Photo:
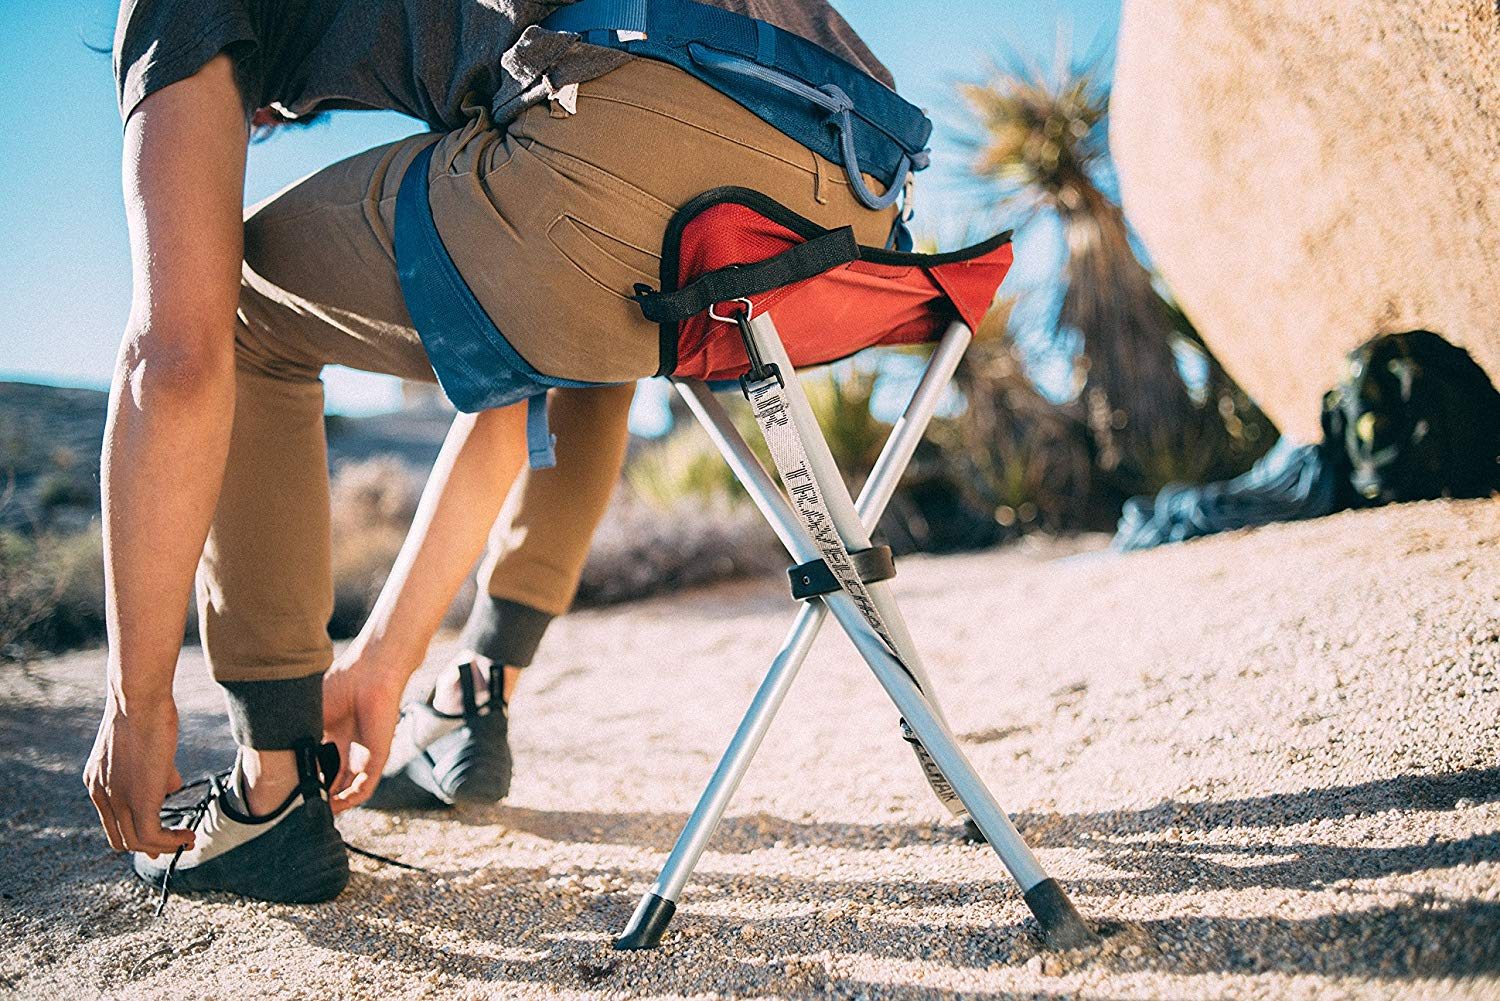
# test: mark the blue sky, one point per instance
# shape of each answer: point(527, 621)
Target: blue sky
point(64, 264)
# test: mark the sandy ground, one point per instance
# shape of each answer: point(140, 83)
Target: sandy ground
point(1269, 763)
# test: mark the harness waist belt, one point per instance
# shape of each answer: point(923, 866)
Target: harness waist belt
point(808, 93)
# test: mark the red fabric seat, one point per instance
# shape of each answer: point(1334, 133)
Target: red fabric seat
point(884, 297)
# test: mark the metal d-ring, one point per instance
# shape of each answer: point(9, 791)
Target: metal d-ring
point(746, 316)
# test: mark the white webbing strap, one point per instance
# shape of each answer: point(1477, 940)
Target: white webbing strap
point(789, 455)
point(768, 398)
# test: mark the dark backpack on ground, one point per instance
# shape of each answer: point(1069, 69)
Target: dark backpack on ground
point(1414, 419)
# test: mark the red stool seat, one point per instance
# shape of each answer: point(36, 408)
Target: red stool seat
point(868, 296)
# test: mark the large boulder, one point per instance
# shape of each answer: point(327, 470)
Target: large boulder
point(1308, 175)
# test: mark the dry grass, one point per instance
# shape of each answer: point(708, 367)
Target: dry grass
point(51, 591)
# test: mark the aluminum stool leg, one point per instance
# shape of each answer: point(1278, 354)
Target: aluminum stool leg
point(649, 922)
point(651, 917)
point(1060, 922)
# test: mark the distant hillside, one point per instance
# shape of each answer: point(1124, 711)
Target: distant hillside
point(50, 440)
point(49, 452)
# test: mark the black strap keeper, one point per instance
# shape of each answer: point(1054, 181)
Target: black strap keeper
point(812, 579)
point(740, 281)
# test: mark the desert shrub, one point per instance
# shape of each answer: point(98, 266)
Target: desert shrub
point(683, 466)
point(840, 397)
point(78, 616)
point(360, 567)
point(51, 592)
point(26, 590)
point(67, 489)
point(683, 527)
point(1011, 457)
point(646, 546)
point(373, 503)
point(382, 490)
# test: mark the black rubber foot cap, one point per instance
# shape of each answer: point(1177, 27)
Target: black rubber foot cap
point(648, 924)
point(1062, 926)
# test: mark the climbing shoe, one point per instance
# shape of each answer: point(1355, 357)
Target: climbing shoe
point(291, 855)
point(438, 759)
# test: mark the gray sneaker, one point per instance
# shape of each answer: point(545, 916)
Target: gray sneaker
point(438, 759)
point(292, 855)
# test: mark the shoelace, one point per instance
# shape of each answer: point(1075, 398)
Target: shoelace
point(190, 816)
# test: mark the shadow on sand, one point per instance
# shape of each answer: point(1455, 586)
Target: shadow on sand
point(45, 816)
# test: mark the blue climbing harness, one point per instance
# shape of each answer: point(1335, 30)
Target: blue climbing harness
point(806, 92)
point(476, 366)
point(833, 108)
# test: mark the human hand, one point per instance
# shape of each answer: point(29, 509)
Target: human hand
point(131, 771)
point(361, 704)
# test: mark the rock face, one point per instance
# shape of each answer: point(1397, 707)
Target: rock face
point(1308, 175)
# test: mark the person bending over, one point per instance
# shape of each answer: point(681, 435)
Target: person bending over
point(555, 165)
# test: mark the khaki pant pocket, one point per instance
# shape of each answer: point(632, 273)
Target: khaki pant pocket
point(611, 263)
point(599, 182)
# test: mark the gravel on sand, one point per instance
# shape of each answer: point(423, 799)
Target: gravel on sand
point(1268, 764)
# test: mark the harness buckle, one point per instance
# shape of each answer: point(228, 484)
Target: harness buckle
point(752, 378)
point(759, 371)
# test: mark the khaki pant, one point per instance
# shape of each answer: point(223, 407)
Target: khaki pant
point(551, 223)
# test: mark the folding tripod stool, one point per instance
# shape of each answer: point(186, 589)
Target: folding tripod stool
point(836, 568)
point(752, 290)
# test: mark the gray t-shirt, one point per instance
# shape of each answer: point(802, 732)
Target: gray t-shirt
point(436, 60)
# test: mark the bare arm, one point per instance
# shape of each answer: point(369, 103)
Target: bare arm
point(171, 406)
point(480, 460)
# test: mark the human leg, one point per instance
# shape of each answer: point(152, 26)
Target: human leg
point(540, 542)
point(453, 746)
point(311, 293)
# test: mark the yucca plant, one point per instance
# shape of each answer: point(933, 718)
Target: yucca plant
point(1040, 147)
